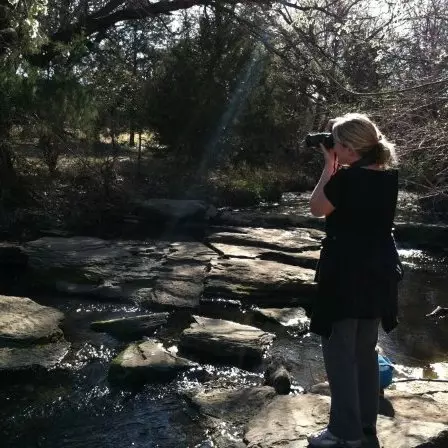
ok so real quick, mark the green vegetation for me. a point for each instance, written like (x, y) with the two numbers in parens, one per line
(104, 102)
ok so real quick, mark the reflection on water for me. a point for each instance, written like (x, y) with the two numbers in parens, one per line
(76, 407)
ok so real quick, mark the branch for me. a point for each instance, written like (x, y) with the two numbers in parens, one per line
(310, 8)
(108, 8)
(105, 18)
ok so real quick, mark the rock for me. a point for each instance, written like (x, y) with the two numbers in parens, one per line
(297, 240)
(423, 338)
(46, 356)
(293, 211)
(409, 400)
(321, 389)
(307, 259)
(287, 420)
(180, 281)
(225, 339)
(179, 286)
(25, 322)
(234, 406)
(279, 378)
(422, 387)
(135, 326)
(146, 361)
(115, 270)
(418, 433)
(261, 282)
(54, 252)
(288, 317)
(189, 251)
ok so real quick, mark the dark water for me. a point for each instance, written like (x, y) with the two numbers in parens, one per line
(76, 407)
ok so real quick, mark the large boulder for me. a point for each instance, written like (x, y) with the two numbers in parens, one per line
(409, 399)
(225, 412)
(30, 336)
(287, 420)
(24, 322)
(297, 240)
(266, 420)
(162, 274)
(293, 211)
(217, 338)
(91, 266)
(300, 247)
(234, 406)
(178, 286)
(261, 282)
(180, 281)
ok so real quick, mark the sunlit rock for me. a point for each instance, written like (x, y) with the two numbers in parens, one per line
(261, 282)
(288, 317)
(234, 406)
(217, 338)
(294, 241)
(146, 361)
(25, 322)
(287, 420)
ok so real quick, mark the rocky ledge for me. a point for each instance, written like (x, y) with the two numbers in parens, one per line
(261, 419)
(29, 335)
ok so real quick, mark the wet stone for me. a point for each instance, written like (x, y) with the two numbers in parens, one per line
(46, 356)
(261, 282)
(146, 361)
(235, 406)
(288, 317)
(217, 338)
(25, 322)
(135, 326)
